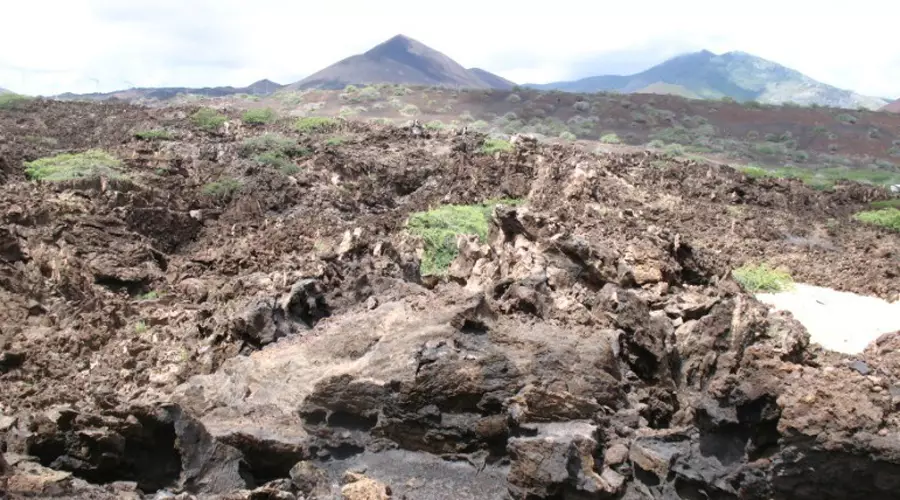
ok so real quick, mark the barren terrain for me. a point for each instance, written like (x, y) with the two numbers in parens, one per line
(206, 325)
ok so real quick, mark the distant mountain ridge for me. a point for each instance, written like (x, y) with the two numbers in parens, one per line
(738, 75)
(261, 88)
(401, 60)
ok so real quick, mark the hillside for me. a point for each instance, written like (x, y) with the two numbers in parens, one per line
(400, 60)
(893, 107)
(737, 75)
(260, 88)
(818, 145)
(4, 91)
(320, 309)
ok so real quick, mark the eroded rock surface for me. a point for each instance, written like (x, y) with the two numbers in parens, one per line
(280, 343)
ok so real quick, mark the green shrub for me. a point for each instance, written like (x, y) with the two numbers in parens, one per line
(886, 217)
(222, 188)
(846, 118)
(800, 156)
(762, 278)
(656, 144)
(259, 116)
(335, 141)
(435, 125)
(568, 136)
(271, 143)
(90, 164)
(13, 101)
(208, 119)
(439, 228)
(153, 135)
(151, 295)
(315, 124)
(513, 98)
(277, 161)
(610, 139)
(492, 146)
(409, 110)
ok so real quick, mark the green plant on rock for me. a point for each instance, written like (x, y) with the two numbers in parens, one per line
(762, 278)
(440, 227)
(610, 139)
(888, 217)
(492, 145)
(208, 119)
(315, 124)
(153, 135)
(335, 141)
(259, 116)
(277, 161)
(68, 166)
(222, 188)
(271, 143)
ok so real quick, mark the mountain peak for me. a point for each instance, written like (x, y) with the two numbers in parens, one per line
(400, 60)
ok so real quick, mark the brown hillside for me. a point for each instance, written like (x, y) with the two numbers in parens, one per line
(400, 60)
(893, 107)
(830, 143)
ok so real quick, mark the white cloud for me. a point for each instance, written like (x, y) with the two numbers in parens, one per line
(85, 45)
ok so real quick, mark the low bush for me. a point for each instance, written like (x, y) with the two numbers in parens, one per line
(491, 146)
(222, 188)
(886, 217)
(440, 227)
(89, 164)
(271, 143)
(763, 278)
(316, 124)
(259, 116)
(610, 139)
(208, 119)
(153, 135)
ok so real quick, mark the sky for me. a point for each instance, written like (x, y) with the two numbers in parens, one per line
(54, 46)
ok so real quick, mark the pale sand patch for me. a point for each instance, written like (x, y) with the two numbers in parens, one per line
(840, 321)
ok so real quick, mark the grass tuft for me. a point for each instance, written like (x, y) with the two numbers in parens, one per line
(440, 227)
(153, 135)
(314, 124)
(885, 217)
(259, 116)
(222, 188)
(89, 164)
(492, 146)
(763, 278)
(208, 119)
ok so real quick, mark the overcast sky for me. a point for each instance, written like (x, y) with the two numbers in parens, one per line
(49, 47)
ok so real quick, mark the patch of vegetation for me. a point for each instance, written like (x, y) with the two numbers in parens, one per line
(90, 164)
(154, 135)
(568, 136)
(271, 143)
(440, 227)
(846, 118)
(513, 98)
(222, 188)
(141, 327)
(492, 146)
(13, 101)
(895, 203)
(259, 116)
(315, 124)
(656, 144)
(435, 125)
(208, 119)
(610, 139)
(886, 217)
(409, 110)
(335, 141)
(763, 278)
(277, 161)
(151, 295)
